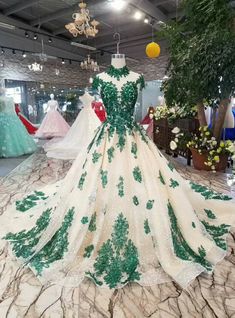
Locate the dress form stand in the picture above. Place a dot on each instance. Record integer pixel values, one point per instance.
(86, 99)
(52, 103)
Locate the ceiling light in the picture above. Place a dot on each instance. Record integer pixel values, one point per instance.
(50, 40)
(138, 15)
(118, 4)
(83, 46)
(63, 61)
(35, 37)
(26, 34)
(13, 52)
(146, 20)
(2, 51)
(7, 26)
(24, 54)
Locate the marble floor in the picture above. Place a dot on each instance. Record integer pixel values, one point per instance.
(21, 294)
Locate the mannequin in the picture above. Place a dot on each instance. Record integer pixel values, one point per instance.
(52, 103)
(229, 118)
(53, 124)
(86, 98)
(80, 134)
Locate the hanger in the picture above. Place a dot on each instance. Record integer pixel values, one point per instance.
(117, 36)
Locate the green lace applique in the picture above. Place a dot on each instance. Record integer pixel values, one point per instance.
(110, 152)
(209, 194)
(146, 227)
(97, 82)
(55, 249)
(135, 200)
(141, 82)
(181, 247)
(84, 164)
(218, 233)
(134, 149)
(171, 166)
(96, 156)
(117, 260)
(174, 183)
(210, 214)
(202, 252)
(85, 220)
(161, 178)
(193, 225)
(137, 174)
(82, 180)
(118, 73)
(88, 251)
(30, 201)
(104, 178)
(149, 204)
(24, 241)
(120, 187)
(92, 225)
(121, 142)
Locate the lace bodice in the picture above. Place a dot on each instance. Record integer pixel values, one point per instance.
(119, 94)
(7, 105)
(52, 105)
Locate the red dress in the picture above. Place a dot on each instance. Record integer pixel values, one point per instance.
(28, 125)
(99, 110)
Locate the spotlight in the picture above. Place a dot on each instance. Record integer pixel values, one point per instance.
(35, 37)
(2, 51)
(24, 54)
(70, 62)
(50, 40)
(138, 15)
(146, 20)
(118, 4)
(26, 34)
(14, 52)
(63, 61)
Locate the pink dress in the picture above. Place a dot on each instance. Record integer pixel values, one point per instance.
(53, 125)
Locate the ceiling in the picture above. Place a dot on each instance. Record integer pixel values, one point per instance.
(48, 18)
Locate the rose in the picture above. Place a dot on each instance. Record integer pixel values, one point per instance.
(176, 130)
(173, 145)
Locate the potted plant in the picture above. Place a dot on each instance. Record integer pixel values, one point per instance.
(207, 153)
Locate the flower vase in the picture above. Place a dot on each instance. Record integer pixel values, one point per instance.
(199, 160)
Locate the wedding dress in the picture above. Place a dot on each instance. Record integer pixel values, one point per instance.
(53, 125)
(123, 213)
(79, 136)
(14, 138)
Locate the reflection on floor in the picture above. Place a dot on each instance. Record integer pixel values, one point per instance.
(9, 164)
(21, 294)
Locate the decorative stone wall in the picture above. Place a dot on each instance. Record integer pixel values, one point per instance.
(16, 68)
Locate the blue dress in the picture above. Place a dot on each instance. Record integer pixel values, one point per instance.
(14, 138)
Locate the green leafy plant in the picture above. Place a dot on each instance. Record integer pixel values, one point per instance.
(201, 66)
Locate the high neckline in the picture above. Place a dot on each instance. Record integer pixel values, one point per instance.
(118, 72)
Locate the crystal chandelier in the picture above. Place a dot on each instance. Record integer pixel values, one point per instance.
(36, 67)
(90, 64)
(82, 23)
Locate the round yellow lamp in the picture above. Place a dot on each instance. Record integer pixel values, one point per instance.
(153, 50)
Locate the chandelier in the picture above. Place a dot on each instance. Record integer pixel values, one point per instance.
(36, 67)
(90, 64)
(82, 23)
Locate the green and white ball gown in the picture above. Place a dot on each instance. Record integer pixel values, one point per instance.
(14, 138)
(123, 213)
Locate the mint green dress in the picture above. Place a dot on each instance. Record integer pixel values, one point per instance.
(14, 138)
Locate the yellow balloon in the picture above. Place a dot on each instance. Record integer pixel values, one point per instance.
(153, 50)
